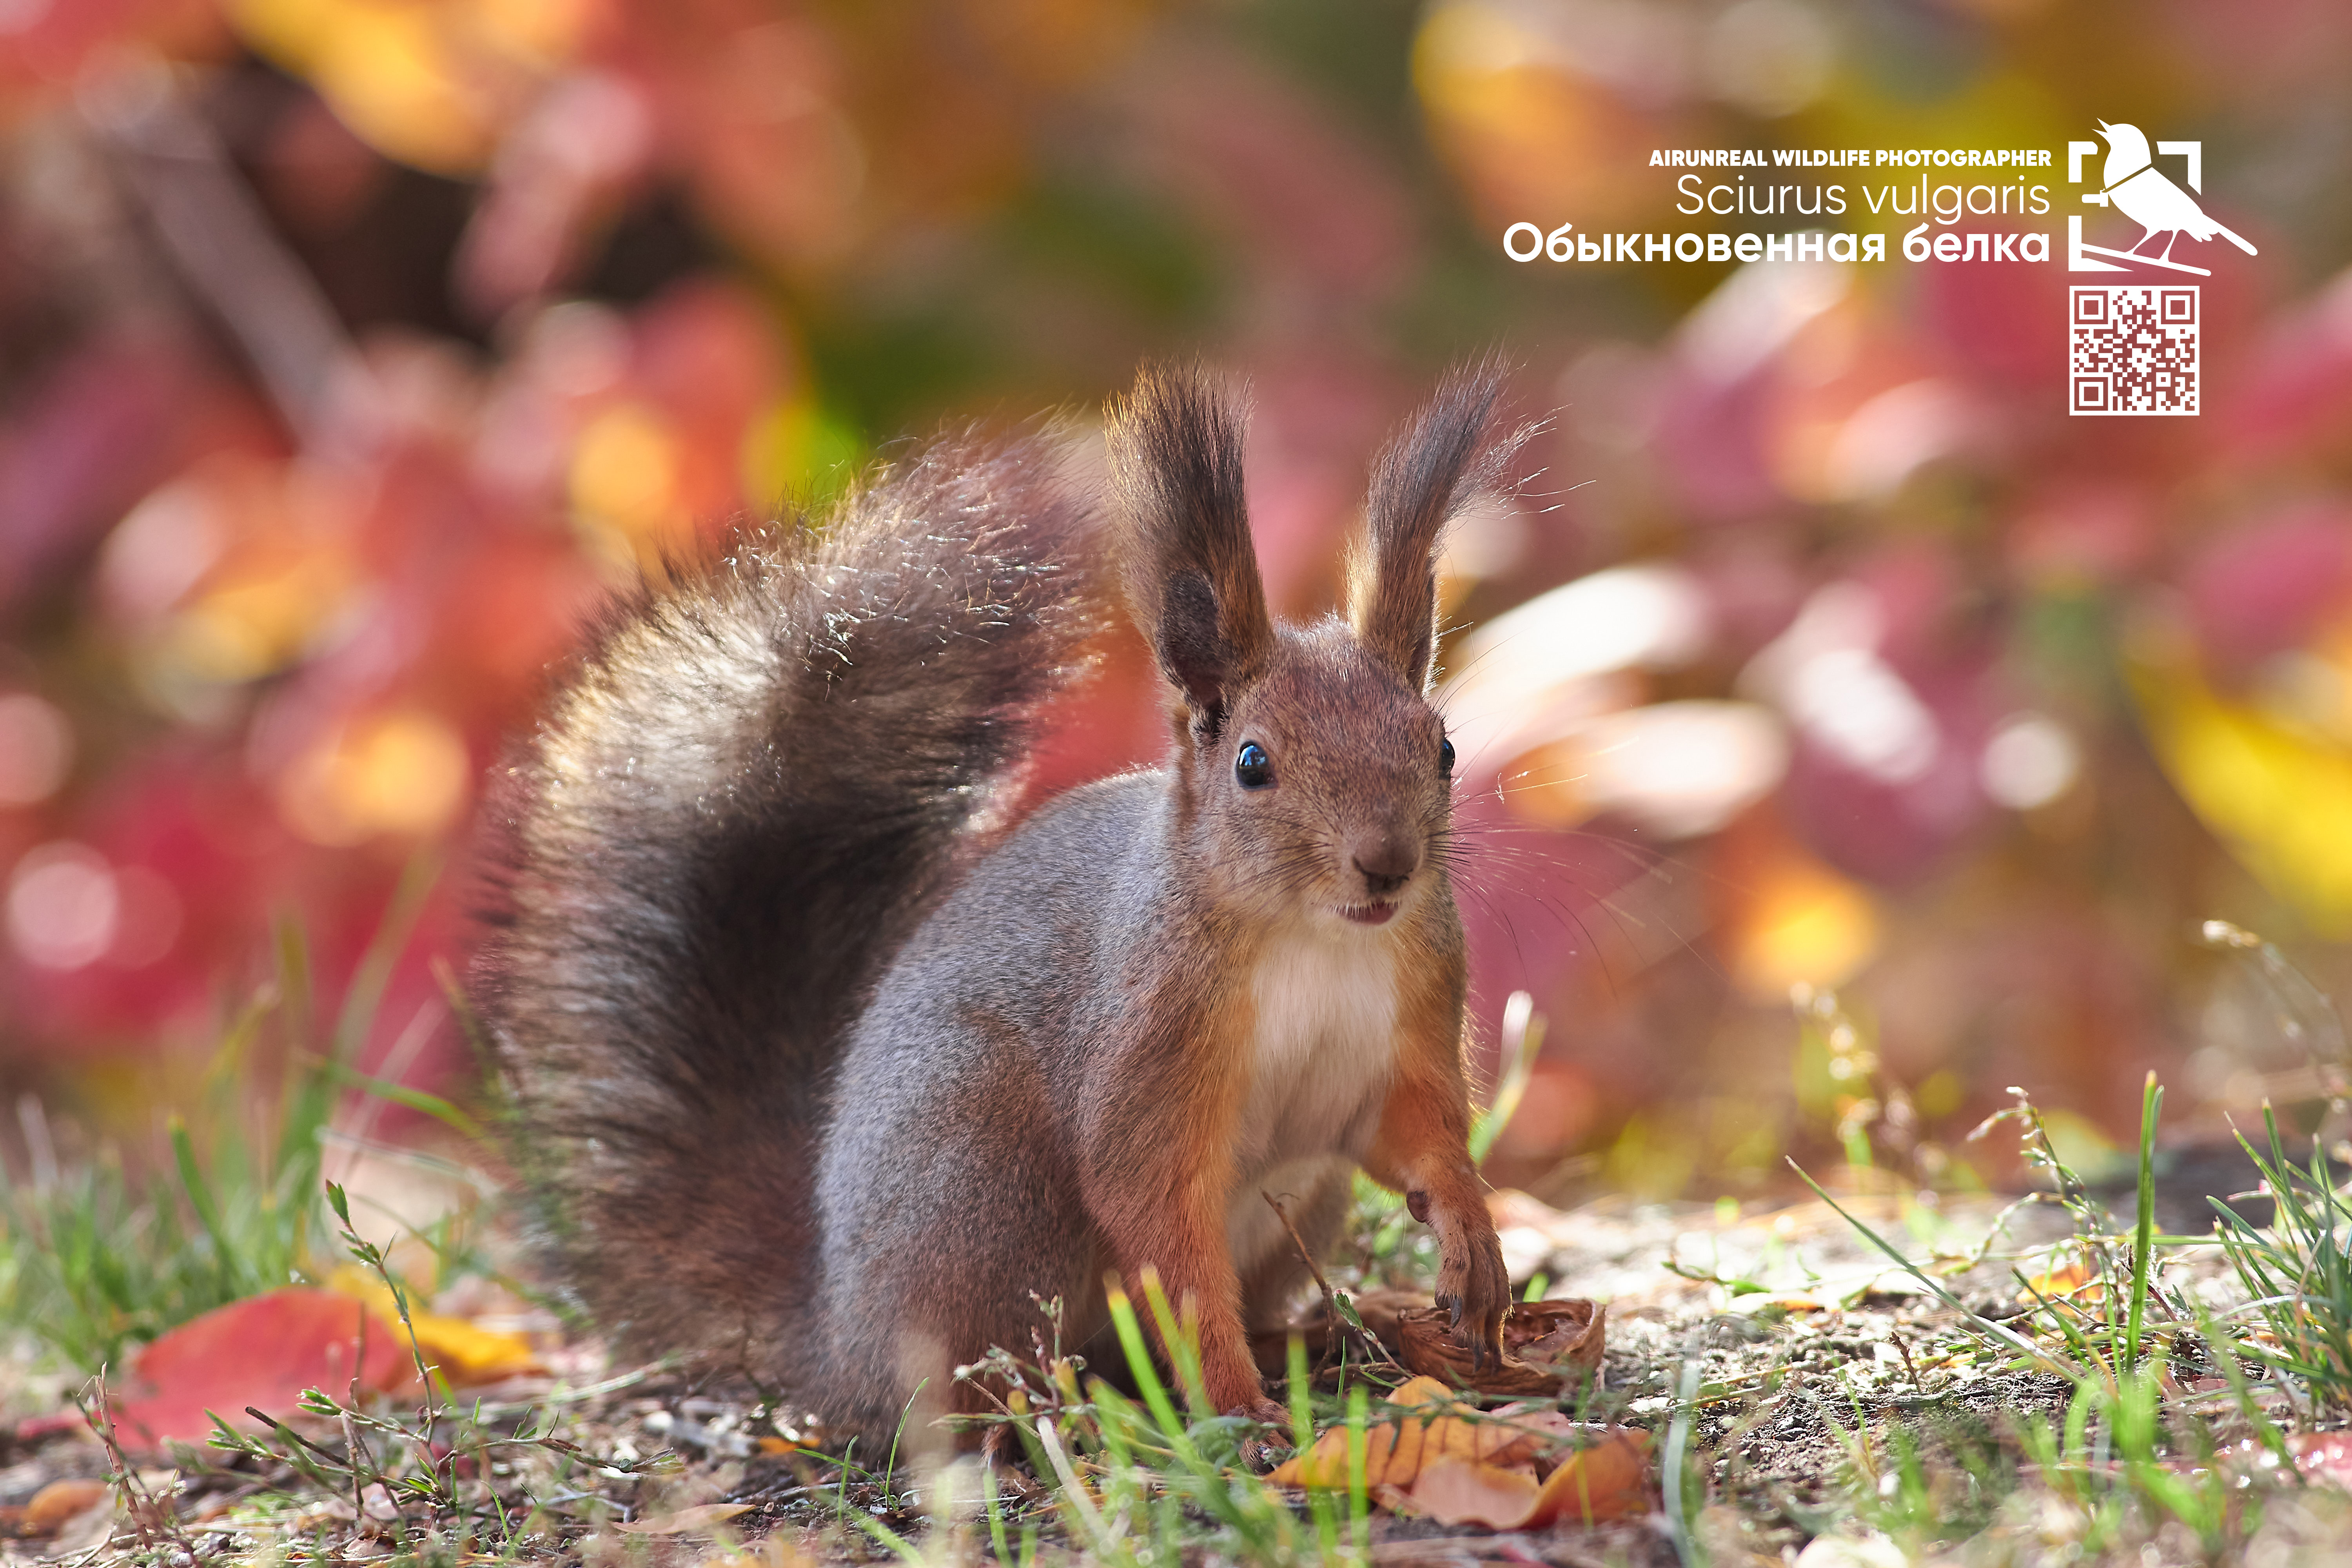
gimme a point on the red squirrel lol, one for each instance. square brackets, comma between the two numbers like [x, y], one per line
[827, 1075]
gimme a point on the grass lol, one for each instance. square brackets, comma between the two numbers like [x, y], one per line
[405, 1471]
[2130, 1471]
[2297, 1271]
[96, 1260]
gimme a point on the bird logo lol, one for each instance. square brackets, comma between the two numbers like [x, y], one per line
[2134, 186]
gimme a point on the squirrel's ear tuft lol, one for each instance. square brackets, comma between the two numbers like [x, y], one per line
[1430, 470]
[1192, 572]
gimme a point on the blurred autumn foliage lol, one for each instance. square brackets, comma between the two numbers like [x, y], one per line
[350, 348]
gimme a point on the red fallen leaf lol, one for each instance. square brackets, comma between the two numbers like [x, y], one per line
[264, 1352]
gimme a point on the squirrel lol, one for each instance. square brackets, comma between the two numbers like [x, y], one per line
[827, 1072]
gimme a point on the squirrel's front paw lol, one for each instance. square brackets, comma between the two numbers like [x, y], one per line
[1261, 1451]
[1475, 1289]
[1263, 1411]
[1236, 1389]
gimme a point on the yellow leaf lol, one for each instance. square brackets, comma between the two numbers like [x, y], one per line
[1422, 1391]
[2276, 794]
[1325, 1463]
[2070, 1281]
[1398, 1453]
[464, 1354]
[414, 82]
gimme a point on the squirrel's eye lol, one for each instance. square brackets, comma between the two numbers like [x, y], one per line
[1252, 767]
[1444, 757]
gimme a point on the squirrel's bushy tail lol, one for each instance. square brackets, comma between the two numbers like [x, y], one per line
[723, 828]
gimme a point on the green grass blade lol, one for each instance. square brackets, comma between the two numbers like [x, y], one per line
[1077, 1506]
[2142, 1253]
[1359, 1518]
[1138, 1362]
[1671, 1473]
[311, 1096]
[476, 1036]
[898, 1545]
[1983, 1325]
[230, 1058]
[1182, 1340]
[200, 1199]
[294, 993]
[442, 1111]
[995, 1504]
[1302, 1437]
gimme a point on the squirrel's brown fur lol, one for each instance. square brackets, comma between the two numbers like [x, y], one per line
[823, 1082]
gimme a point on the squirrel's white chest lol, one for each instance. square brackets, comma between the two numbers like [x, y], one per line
[1321, 1050]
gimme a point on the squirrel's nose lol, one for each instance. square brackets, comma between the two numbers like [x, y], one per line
[1386, 861]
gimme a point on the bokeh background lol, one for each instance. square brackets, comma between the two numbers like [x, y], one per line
[350, 348]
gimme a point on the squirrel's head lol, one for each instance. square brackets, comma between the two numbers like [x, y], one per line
[1314, 771]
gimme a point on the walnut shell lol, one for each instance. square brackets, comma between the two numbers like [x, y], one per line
[1546, 1346]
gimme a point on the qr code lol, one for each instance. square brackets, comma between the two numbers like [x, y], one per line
[2132, 350]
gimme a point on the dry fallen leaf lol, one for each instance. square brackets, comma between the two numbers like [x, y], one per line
[1460, 1467]
[56, 1504]
[1610, 1479]
[1393, 1449]
[1460, 1491]
[262, 1350]
[465, 1353]
[696, 1520]
[2075, 1281]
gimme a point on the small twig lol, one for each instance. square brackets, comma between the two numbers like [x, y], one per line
[350, 1433]
[1367, 1340]
[1308, 1256]
[1905, 1352]
[153, 1521]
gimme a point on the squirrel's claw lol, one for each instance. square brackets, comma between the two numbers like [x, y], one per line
[1476, 1293]
[1261, 1451]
